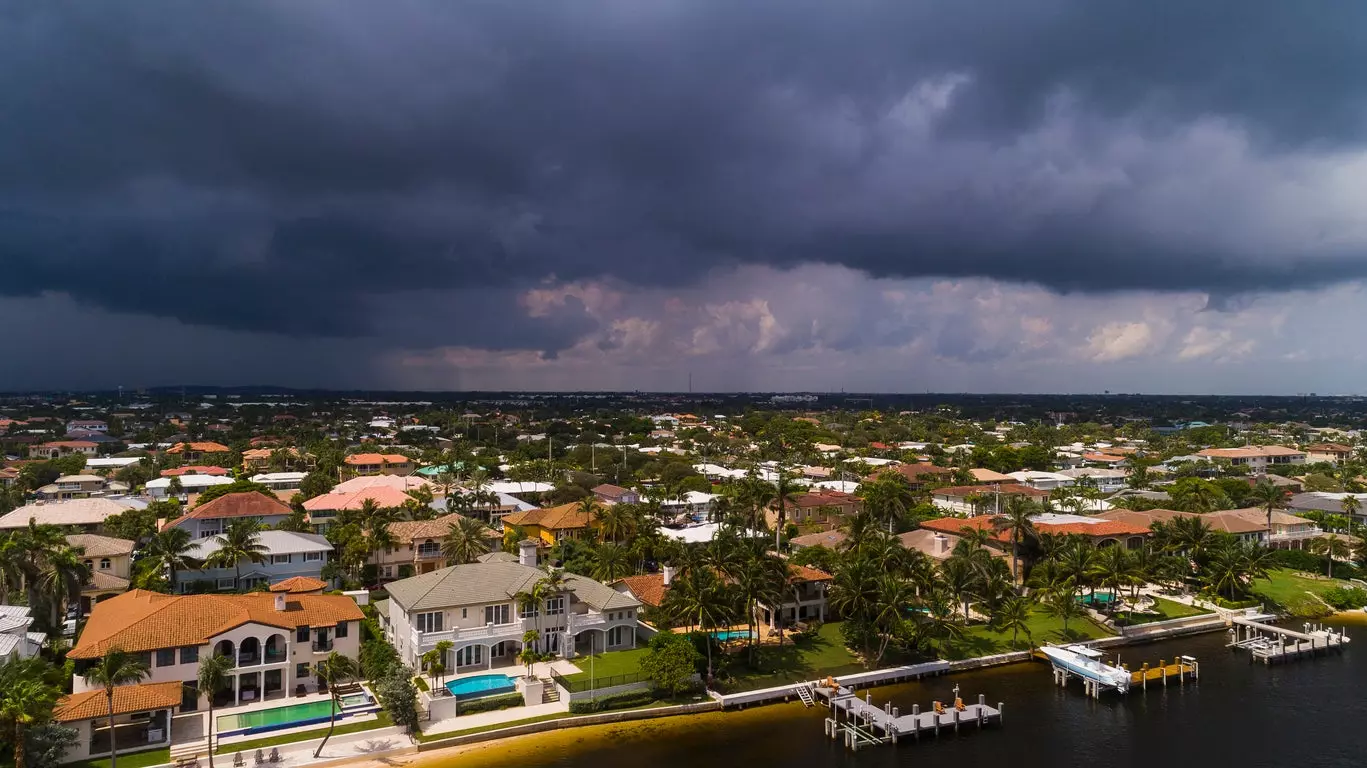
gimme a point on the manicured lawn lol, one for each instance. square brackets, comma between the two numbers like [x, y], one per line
[609, 664]
[246, 747]
[491, 727]
[824, 654]
[982, 640]
[130, 760]
[1164, 610]
[1287, 587]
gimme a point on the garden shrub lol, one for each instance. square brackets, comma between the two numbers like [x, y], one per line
[489, 703]
[616, 701]
[1344, 598]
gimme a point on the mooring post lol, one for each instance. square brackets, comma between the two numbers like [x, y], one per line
[956, 719]
[1001, 711]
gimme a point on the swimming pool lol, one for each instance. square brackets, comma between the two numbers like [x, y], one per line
[480, 685]
[727, 635]
[1102, 599]
[263, 720]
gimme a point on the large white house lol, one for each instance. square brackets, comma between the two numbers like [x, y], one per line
[477, 607]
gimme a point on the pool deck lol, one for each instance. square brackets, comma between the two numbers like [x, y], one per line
[193, 726]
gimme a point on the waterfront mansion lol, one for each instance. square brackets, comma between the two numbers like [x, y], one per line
[273, 639]
[477, 607]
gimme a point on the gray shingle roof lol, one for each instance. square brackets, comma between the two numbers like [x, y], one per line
[493, 582]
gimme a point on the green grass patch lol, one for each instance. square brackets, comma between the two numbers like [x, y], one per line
[247, 747]
[1288, 589]
[984, 640]
[423, 737]
[129, 759]
[807, 659]
[421, 683]
[1164, 610]
[609, 664]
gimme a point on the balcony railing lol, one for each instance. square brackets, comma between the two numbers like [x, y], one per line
[322, 646]
[1296, 535]
[427, 554]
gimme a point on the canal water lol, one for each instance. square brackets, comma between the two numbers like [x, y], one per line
[1306, 713]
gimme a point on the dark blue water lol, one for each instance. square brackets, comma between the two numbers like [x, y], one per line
[1306, 713]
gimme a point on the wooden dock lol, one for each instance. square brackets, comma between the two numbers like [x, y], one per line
[1181, 668]
[860, 723]
[1271, 644]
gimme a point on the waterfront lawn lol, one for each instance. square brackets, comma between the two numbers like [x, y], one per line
[609, 664]
[1287, 588]
[424, 737]
[1164, 610]
[130, 759]
[984, 640]
[808, 659]
[246, 747]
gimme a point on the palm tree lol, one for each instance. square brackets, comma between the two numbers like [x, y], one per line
[64, 573]
[611, 562]
[961, 578]
[888, 497]
[1077, 563]
[213, 677]
[239, 543]
[1330, 546]
[1015, 519]
[1350, 505]
[1063, 605]
[26, 699]
[169, 551]
[755, 583]
[113, 669]
[614, 522]
[1014, 614]
[332, 670]
[465, 542]
[700, 599]
[1115, 568]
[1270, 497]
[13, 556]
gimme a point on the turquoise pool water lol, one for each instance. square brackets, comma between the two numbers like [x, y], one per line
[290, 716]
[727, 635]
[480, 685]
[1097, 598]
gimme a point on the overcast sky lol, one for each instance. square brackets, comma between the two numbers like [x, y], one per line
[899, 195]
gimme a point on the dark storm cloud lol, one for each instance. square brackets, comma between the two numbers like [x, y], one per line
[298, 167]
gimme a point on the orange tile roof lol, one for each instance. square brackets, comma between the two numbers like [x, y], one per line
[300, 584]
[800, 573]
[649, 588]
[195, 470]
[69, 444]
[202, 447]
[956, 525]
[1249, 451]
[139, 620]
[564, 517]
[1103, 457]
[128, 699]
[1005, 489]
[377, 458]
[240, 504]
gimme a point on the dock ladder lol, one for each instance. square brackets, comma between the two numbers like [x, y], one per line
[804, 692]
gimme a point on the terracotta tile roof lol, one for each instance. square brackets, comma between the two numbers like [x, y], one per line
[824, 498]
[127, 700]
[563, 517]
[1103, 457]
[955, 525]
[988, 476]
[145, 621]
[800, 573]
[827, 539]
[611, 491]
[300, 584]
[194, 470]
[202, 447]
[1248, 452]
[230, 505]
[916, 473]
[69, 444]
[649, 588]
[100, 546]
[1329, 448]
[377, 458]
[409, 530]
[383, 496]
[1145, 518]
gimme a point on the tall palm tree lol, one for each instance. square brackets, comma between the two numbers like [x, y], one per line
[1331, 547]
[888, 497]
[1016, 520]
[26, 699]
[1270, 498]
[1350, 505]
[13, 557]
[1077, 563]
[1063, 605]
[610, 563]
[64, 573]
[213, 676]
[113, 669]
[699, 598]
[169, 551]
[239, 543]
[465, 542]
[961, 578]
[333, 670]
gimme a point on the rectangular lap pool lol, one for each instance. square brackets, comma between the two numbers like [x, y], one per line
[294, 715]
[727, 635]
[480, 685]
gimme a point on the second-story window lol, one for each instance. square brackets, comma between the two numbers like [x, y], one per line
[166, 657]
[497, 614]
[189, 654]
[555, 606]
[301, 635]
[429, 622]
[280, 559]
[105, 564]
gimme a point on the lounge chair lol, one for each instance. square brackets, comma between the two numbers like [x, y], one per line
[959, 705]
[939, 708]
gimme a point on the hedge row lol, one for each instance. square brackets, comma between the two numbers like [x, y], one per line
[616, 701]
[490, 703]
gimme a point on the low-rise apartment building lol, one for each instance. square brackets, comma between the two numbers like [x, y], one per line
[1256, 457]
[212, 517]
[379, 464]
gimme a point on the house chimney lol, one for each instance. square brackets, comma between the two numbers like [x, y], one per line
[940, 544]
[669, 574]
[280, 601]
[526, 552]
